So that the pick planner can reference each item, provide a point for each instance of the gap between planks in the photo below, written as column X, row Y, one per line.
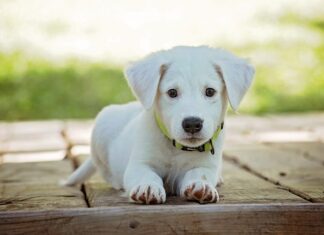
column 247, row 168
column 75, row 164
column 248, row 158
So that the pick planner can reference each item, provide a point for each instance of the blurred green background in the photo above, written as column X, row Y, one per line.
column 289, row 77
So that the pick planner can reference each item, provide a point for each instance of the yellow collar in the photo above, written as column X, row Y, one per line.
column 208, row 146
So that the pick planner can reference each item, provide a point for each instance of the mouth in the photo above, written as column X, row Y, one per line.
column 193, row 141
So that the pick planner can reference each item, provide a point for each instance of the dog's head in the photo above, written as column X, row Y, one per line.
column 189, row 87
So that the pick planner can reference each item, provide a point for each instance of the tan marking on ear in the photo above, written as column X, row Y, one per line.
column 224, row 91
column 163, row 69
column 219, row 71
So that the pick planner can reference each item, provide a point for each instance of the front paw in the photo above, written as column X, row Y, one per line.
column 200, row 191
column 148, row 194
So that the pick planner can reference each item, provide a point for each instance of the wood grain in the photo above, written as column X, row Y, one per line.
column 36, row 172
column 34, row 156
column 26, row 129
column 306, row 121
column 30, row 186
column 311, row 150
column 38, row 143
column 78, row 132
column 242, row 129
column 289, row 169
column 240, row 186
column 169, row 219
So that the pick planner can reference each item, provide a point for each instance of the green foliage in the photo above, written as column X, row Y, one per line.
column 38, row 89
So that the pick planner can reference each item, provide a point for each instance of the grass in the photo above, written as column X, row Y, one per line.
column 38, row 89
column 289, row 79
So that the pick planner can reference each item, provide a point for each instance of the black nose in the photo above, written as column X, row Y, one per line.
column 192, row 124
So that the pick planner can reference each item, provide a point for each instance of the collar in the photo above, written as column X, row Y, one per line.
column 208, row 146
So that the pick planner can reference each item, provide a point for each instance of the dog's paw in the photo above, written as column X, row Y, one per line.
column 148, row 194
column 200, row 191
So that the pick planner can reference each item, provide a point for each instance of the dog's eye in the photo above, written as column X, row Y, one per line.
column 173, row 93
column 210, row 92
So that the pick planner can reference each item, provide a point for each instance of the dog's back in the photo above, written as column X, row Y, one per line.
column 109, row 128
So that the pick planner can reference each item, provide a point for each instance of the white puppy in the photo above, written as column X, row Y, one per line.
column 171, row 140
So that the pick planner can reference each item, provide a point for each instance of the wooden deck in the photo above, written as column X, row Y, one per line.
column 273, row 172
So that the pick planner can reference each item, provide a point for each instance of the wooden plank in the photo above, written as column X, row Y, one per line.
column 240, row 187
column 319, row 132
column 27, row 129
column 242, row 129
column 310, row 150
column 312, row 122
column 30, row 186
column 4, row 131
column 32, row 196
column 78, row 132
column 36, row 172
column 288, row 169
column 280, row 136
column 31, row 136
column 38, row 143
column 80, row 150
column 303, row 121
column 169, row 219
column 34, row 156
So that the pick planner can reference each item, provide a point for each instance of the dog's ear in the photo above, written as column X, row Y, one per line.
column 144, row 76
column 237, row 75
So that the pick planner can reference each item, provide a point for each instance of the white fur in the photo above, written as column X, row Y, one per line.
column 128, row 147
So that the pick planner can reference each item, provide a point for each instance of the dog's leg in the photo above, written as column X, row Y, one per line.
column 220, row 181
column 199, row 184
column 144, row 185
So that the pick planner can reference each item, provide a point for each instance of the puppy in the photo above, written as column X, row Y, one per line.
column 171, row 140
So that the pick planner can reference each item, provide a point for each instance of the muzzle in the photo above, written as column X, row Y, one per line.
column 208, row 146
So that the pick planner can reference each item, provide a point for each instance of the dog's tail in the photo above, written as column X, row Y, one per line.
column 84, row 171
